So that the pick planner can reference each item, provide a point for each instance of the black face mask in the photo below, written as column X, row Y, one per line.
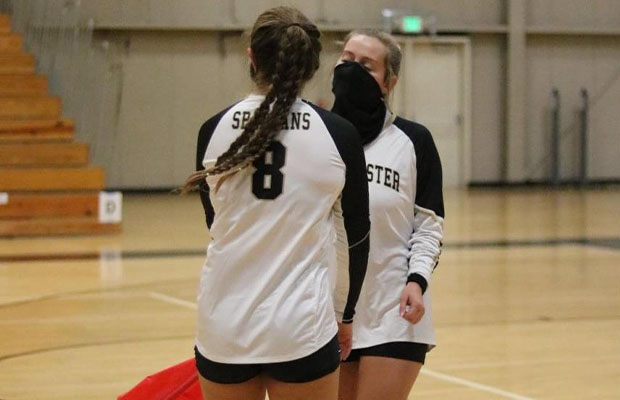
column 359, row 99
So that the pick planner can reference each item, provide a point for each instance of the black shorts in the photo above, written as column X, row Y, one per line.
column 408, row 351
column 318, row 364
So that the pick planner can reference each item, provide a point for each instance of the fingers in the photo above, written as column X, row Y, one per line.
column 404, row 299
column 410, row 309
column 346, row 343
column 345, row 340
column 345, row 349
column 414, row 313
column 411, row 305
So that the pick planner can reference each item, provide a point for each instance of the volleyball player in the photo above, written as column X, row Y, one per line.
column 393, row 328
column 281, row 176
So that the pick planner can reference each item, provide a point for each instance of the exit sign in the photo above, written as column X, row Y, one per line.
column 412, row 24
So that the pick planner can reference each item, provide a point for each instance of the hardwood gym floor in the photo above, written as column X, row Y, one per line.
column 526, row 300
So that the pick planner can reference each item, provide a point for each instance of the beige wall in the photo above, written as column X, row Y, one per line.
column 182, row 61
column 569, row 65
column 588, row 14
column 488, row 108
column 182, row 13
column 171, row 83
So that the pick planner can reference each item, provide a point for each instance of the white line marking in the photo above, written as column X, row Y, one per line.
column 473, row 385
column 53, row 296
column 173, row 300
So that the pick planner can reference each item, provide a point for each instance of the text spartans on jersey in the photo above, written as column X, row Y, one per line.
column 299, row 120
column 295, row 120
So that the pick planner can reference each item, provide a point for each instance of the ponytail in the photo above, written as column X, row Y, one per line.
column 295, row 61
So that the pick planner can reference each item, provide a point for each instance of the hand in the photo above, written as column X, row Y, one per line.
column 411, row 303
column 345, row 339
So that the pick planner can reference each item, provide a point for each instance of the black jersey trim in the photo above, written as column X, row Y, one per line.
column 429, row 187
column 354, row 201
column 204, row 137
column 419, row 279
column 429, row 191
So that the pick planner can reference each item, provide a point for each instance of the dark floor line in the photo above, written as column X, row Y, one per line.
column 108, row 255
column 612, row 243
column 91, row 344
column 608, row 243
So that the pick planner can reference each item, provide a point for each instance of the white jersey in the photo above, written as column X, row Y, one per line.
column 265, row 293
column 406, row 213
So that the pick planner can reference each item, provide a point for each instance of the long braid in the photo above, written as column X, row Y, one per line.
column 287, row 82
column 230, row 158
column 296, row 45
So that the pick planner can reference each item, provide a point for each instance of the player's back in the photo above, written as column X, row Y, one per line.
column 267, row 265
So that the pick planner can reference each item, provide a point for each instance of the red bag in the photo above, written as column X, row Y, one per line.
column 179, row 382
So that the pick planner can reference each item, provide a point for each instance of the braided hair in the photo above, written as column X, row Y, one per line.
column 286, row 48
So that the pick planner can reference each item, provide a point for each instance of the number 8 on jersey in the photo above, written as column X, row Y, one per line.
column 268, row 180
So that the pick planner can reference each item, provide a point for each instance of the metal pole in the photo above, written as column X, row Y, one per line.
column 555, row 137
column 583, row 177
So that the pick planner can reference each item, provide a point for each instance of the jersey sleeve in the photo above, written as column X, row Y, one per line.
column 351, row 217
column 426, row 239
column 204, row 137
column 341, row 248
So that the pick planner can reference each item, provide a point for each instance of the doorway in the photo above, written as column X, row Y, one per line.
column 434, row 90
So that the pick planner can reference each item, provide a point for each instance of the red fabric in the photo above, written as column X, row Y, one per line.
column 179, row 382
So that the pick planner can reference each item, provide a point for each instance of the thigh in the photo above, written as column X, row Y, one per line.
column 325, row 388
column 312, row 377
column 397, row 378
column 347, row 388
column 253, row 389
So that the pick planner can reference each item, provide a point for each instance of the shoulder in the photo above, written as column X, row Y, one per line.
column 211, row 123
column 417, row 133
column 206, row 133
column 343, row 134
column 333, row 121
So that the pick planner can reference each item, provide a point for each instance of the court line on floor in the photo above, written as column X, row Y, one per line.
column 473, row 385
column 437, row 375
column 95, row 255
column 7, row 357
column 609, row 243
column 173, row 300
column 60, row 295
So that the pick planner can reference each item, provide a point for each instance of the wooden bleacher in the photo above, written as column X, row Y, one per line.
column 51, row 188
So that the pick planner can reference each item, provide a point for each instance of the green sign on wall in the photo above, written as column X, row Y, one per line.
column 412, row 24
